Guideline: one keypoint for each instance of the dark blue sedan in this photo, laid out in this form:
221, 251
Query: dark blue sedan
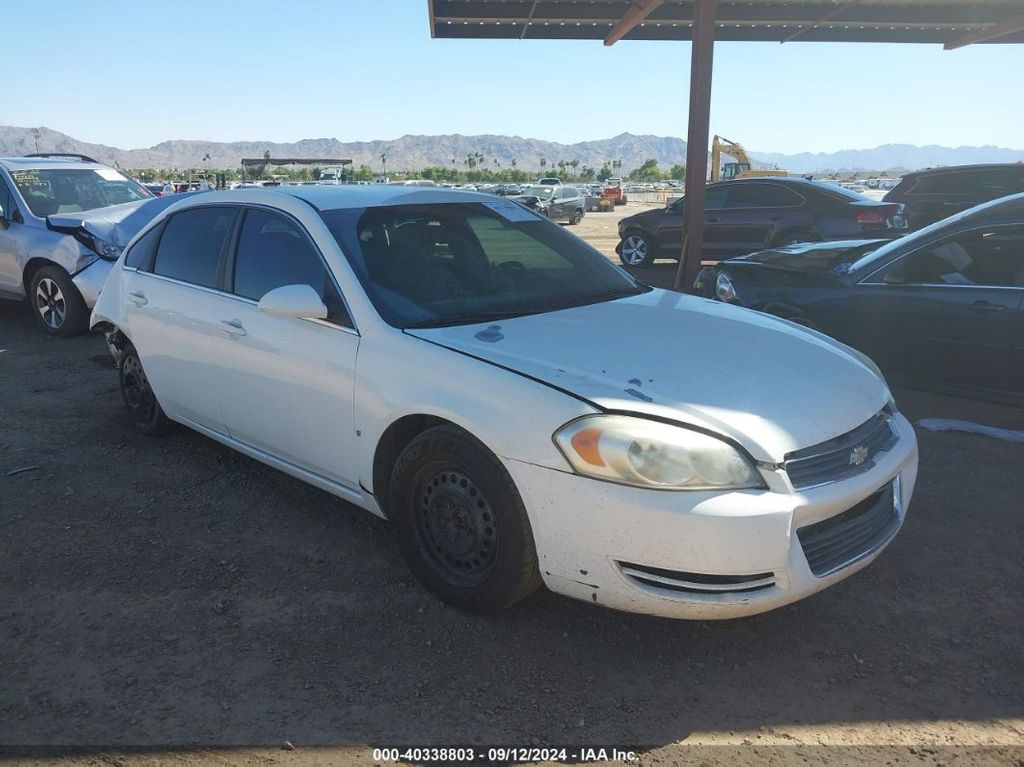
943, 307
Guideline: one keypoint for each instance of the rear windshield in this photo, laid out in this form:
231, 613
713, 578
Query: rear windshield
74, 190
460, 263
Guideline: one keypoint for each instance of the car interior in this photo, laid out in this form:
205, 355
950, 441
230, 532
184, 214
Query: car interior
982, 257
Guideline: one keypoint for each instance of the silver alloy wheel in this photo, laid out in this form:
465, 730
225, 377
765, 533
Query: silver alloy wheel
50, 303
634, 250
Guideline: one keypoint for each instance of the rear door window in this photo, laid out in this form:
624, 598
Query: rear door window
193, 244
715, 197
762, 196
140, 255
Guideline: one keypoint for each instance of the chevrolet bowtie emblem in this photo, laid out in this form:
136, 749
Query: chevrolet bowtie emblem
858, 455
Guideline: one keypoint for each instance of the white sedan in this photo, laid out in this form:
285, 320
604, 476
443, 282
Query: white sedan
522, 410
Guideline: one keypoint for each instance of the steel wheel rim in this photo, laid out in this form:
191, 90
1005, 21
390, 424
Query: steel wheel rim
138, 395
456, 527
50, 303
634, 250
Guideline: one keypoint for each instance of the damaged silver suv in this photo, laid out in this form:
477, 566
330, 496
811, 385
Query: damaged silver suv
64, 220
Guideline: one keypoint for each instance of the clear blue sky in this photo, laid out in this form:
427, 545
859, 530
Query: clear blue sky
131, 74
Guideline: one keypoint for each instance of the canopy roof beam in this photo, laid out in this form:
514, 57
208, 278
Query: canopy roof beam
1008, 26
639, 10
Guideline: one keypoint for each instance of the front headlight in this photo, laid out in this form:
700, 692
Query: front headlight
644, 453
723, 287
104, 249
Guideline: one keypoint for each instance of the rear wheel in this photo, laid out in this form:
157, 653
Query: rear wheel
460, 522
56, 303
636, 250
576, 217
143, 409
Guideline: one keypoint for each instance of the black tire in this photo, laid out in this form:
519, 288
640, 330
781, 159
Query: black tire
576, 217
794, 237
461, 525
143, 409
56, 304
636, 250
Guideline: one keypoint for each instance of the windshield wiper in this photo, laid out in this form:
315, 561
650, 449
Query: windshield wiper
469, 319
478, 317
597, 298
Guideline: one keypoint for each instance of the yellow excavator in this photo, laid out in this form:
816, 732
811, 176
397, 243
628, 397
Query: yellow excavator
739, 169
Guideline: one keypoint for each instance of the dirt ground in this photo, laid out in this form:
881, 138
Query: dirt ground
174, 602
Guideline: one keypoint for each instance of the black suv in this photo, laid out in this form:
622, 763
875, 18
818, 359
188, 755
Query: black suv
751, 214
935, 194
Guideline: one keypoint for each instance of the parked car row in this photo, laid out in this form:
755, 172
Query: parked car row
749, 214
464, 367
943, 307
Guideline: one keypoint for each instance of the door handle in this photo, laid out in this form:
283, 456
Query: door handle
984, 307
232, 328
138, 298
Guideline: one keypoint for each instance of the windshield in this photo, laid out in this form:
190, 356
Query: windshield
74, 190
543, 192
460, 263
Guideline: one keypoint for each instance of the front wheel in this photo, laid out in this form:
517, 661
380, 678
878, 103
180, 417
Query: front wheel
461, 525
56, 303
636, 250
576, 217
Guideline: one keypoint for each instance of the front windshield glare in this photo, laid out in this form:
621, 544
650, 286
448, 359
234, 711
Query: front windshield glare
74, 190
459, 263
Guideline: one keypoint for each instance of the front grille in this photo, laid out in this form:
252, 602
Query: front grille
841, 540
696, 583
844, 456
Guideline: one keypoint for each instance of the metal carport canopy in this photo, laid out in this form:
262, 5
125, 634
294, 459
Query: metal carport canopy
952, 23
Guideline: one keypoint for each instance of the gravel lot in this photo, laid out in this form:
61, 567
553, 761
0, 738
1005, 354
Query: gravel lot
158, 596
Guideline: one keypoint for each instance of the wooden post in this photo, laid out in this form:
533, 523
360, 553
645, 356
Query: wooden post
701, 61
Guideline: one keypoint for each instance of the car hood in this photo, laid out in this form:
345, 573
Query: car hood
808, 257
115, 223
769, 384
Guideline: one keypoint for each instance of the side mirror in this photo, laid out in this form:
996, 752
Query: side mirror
294, 301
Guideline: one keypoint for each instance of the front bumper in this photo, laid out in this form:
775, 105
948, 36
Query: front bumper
588, 531
89, 280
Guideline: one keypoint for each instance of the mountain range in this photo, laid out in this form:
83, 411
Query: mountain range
413, 152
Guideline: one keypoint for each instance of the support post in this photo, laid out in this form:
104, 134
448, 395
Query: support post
701, 61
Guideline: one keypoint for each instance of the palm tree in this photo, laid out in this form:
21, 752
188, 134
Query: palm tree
384, 163
543, 162
574, 164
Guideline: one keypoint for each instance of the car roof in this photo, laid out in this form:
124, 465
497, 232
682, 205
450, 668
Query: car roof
358, 196
44, 163
965, 168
